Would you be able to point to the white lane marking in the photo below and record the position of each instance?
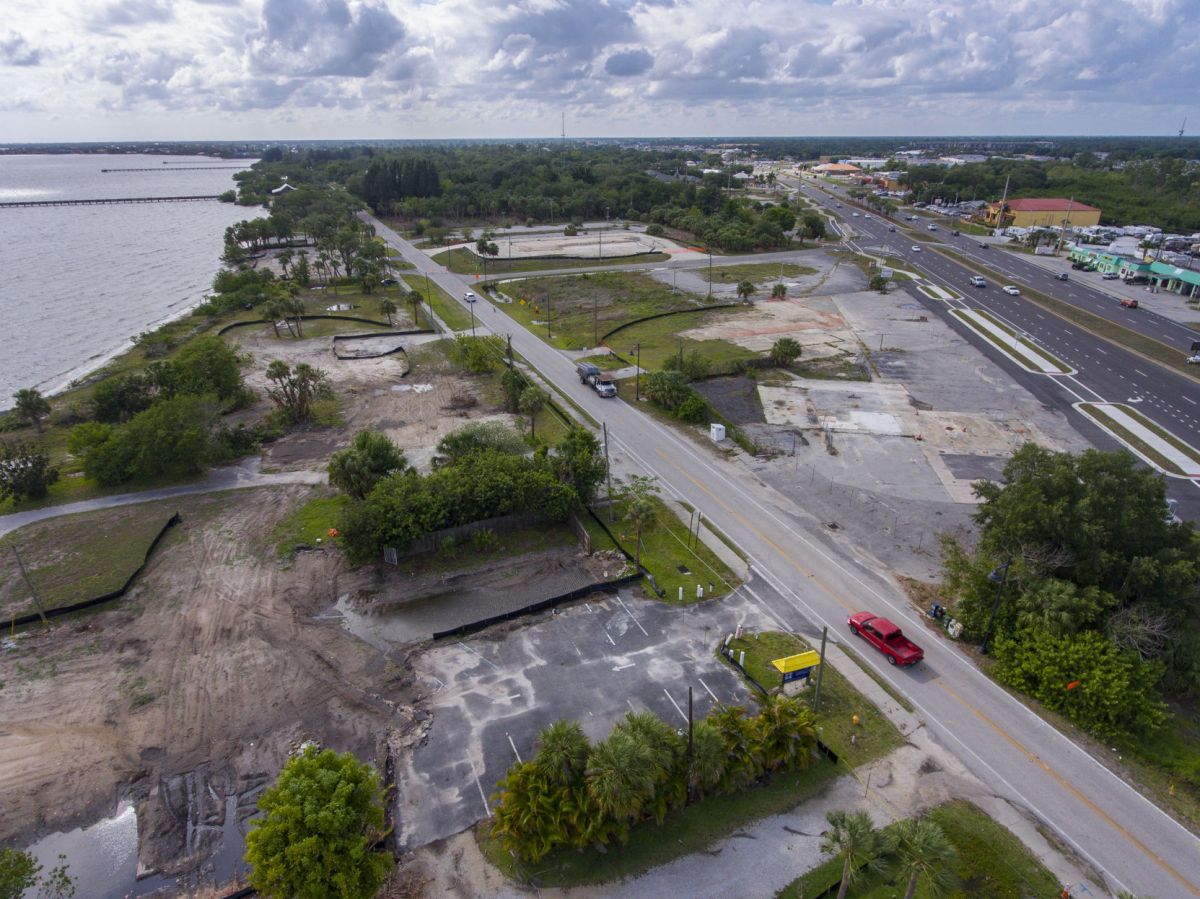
(674, 703)
(479, 784)
(477, 655)
(624, 666)
(609, 636)
(709, 691)
(514, 747)
(1190, 400)
(1140, 372)
(630, 614)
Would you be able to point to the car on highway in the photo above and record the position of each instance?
(1062, 276)
(886, 637)
(916, 249)
(891, 227)
(855, 214)
(1129, 304)
(977, 281)
(1109, 276)
(469, 297)
(1193, 360)
(1010, 290)
(982, 245)
(931, 227)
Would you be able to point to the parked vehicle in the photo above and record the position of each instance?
(955, 232)
(977, 281)
(886, 637)
(1010, 290)
(1136, 279)
(469, 297)
(1109, 276)
(891, 227)
(931, 227)
(1129, 304)
(1061, 276)
(916, 249)
(982, 245)
(1078, 266)
(599, 381)
(1193, 360)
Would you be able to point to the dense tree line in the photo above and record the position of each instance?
(478, 476)
(1163, 192)
(387, 180)
(1098, 617)
(573, 793)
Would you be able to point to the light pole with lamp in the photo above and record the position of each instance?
(999, 577)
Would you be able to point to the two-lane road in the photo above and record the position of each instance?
(1133, 844)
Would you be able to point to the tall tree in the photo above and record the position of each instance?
(31, 406)
(322, 819)
(924, 855)
(296, 389)
(641, 515)
(853, 837)
(387, 308)
(532, 401)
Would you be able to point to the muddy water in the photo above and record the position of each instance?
(103, 858)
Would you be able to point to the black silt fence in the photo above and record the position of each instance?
(464, 629)
(107, 597)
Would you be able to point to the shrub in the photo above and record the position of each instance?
(25, 471)
(692, 410)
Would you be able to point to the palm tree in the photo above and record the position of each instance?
(31, 406)
(786, 733)
(779, 291)
(387, 308)
(664, 750)
(620, 776)
(562, 753)
(641, 516)
(706, 766)
(530, 403)
(852, 836)
(414, 297)
(745, 290)
(743, 760)
(925, 854)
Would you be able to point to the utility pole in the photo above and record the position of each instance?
(1062, 235)
(601, 234)
(37, 600)
(710, 272)
(820, 671)
(510, 352)
(1003, 204)
(472, 305)
(637, 375)
(608, 471)
(595, 330)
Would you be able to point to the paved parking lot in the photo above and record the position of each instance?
(592, 662)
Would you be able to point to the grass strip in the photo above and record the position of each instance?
(1096, 325)
(463, 262)
(870, 672)
(990, 863)
(683, 832)
(444, 306)
(308, 526)
(1037, 351)
(873, 737)
(1141, 447)
(755, 272)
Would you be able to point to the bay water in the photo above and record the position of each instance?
(78, 282)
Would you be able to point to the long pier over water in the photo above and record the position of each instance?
(107, 201)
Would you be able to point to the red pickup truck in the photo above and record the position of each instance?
(887, 638)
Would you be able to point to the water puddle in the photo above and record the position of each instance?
(103, 858)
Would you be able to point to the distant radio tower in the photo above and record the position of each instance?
(1184, 125)
(564, 128)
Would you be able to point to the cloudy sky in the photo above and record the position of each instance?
(254, 69)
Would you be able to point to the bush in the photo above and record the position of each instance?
(478, 355)
(667, 388)
(25, 471)
(478, 437)
(693, 410)
(369, 459)
(655, 230)
(119, 399)
(172, 437)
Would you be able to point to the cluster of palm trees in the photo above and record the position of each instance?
(572, 793)
(916, 848)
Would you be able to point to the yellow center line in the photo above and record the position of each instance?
(762, 536)
(1072, 789)
(1058, 778)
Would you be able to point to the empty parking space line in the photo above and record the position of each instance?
(622, 667)
(674, 703)
(478, 656)
(609, 636)
(514, 747)
(708, 690)
(1190, 400)
(630, 614)
(1140, 372)
(478, 783)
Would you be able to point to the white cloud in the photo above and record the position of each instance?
(250, 68)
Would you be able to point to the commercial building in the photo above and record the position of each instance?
(836, 168)
(1041, 212)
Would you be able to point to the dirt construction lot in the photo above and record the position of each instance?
(213, 661)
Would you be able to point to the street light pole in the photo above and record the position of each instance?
(999, 577)
(710, 272)
(637, 375)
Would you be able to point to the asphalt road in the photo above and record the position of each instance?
(1105, 372)
(1125, 837)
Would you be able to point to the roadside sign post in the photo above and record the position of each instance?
(820, 671)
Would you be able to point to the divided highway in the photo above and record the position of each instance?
(1105, 372)
(1129, 841)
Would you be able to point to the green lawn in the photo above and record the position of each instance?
(581, 308)
(873, 736)
(309, 525)
(464, 262)
(659, 340)
(755, 272)
(686, 830)
(991, 864)
(665, 551)
(445, 306)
